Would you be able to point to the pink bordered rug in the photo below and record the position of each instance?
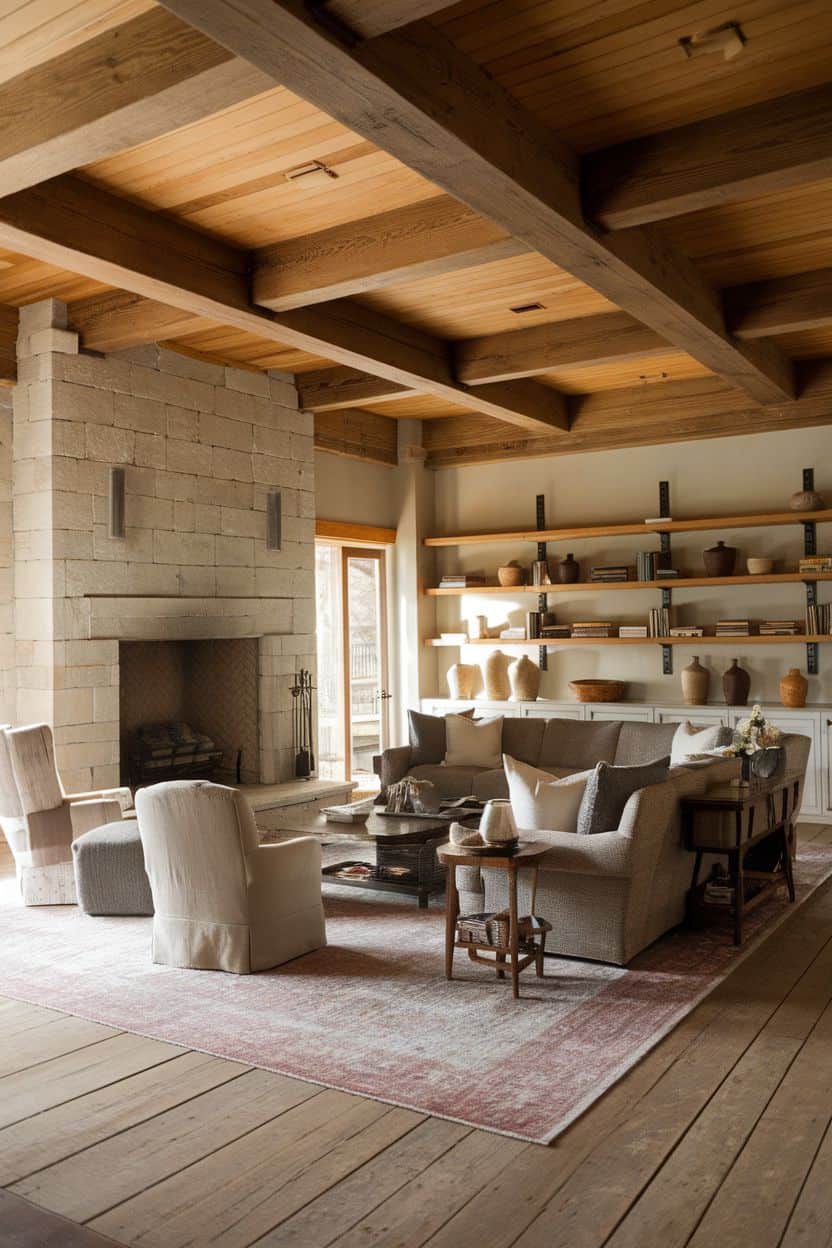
(373, 1014)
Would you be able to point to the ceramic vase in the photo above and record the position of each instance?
(793, 688)
(805, 500)
(462, 679)
(524, 679)
(569, 570)
(511, 575)
(735, 685)
(497, 687)
(695, 681)
(497, 825)
(478, 627)
(719, 560)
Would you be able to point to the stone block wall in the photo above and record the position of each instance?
(201, 445)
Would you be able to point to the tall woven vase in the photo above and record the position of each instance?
(497, 686)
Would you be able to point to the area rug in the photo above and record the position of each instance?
(373, 1014)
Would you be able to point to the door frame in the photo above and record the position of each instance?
(378, 553)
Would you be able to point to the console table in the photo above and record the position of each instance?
(731, 820)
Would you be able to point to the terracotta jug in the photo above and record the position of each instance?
(735, 684)
(461, 680)
(695, 681)
(793, 688)
(569, 570)
(496, 668)
(524, 678)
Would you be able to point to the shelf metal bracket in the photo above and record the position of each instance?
(810, 547)
(665, 562)
(542, 602)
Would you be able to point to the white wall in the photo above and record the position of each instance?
(717, 476)
(355, 491)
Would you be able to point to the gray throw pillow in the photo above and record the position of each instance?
(608, 790)
(427, 736)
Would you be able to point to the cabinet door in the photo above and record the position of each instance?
(619, 710)
(807, 726)
(826, 724)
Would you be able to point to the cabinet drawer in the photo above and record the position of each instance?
(618, 710)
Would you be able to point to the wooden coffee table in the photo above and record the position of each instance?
(527, 854)
(406, 859)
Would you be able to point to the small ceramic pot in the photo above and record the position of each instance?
(511, 575)
(793, 688)
(497, 825)
(760, 567)
(805, 500)
(719, 560)
(569, 570)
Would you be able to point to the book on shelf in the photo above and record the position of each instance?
(687, 630)
(818, 618)
(658, 622)
(780, 628)
(592, 628)
(815, 563)
(612, 572)
(461, 580)
(632, 630)
(515, 633)
(733, 628)
(645, 565)
(555, 631)
(667, 574)
(658, 519)
(454, 639)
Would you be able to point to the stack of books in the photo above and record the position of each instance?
(658, 622)
(592, 628)
(556, 631)
(514, 633)
(645, 566)
(818, 619)
(816, 563)
(611, 572)
(667, 574)
(780, 628)
(461, 580)
(733, 628)
(687, 630)
(632, 630)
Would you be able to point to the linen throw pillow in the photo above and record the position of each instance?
(473, 742)
(692, 743)
(427, 736)
(608, 790)
(539, 802)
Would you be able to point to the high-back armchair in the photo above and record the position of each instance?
(42, 820)
(221, 900)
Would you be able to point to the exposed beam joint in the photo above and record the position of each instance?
(8, 345)
(783, 305)
(421, 240)
(750, 152)
(366, 18)
(76, 226)
(114, 321)
(416, 95)
(327, 389)
(124, 87)
(358, 435)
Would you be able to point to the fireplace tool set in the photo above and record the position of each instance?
(301, 692)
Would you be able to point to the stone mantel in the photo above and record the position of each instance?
(138, 618)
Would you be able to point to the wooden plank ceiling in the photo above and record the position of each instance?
(540, 225)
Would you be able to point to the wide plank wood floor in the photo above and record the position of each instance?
(721, 1135)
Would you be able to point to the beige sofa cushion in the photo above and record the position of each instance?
(540, 803)
(642, 743)
(576, 744)
(473, 743)
(522, 738)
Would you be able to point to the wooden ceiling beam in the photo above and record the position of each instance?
(422, 240)
(327, 389)
(367, 18)
(600, 339)
(115, 320)
(130, 84)
(417, 96)
(642, 416)
(752, 151)
(783, 305)
(8, 345)
(358, 435)
(76, 226)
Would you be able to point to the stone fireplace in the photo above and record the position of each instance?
(193, 585)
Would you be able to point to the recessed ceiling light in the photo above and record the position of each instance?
(527, 307)
(311, 176)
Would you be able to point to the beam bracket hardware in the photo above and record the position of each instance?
(542, 602)
(810, 547)
(664, 562)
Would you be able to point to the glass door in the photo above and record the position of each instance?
(353, 694)
(366, 693)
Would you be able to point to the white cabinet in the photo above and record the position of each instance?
(826, 733)
(553, 710)
(705, 715)
(808, 725)
(628, 711)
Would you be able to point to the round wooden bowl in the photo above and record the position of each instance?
(511, 575)
(598, 690)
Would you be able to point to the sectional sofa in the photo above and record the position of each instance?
(610, 895)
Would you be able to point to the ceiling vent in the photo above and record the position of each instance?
(727, 39)
(311, 177)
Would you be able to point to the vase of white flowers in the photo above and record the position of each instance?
(757, 744)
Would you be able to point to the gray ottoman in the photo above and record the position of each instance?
(109, 870)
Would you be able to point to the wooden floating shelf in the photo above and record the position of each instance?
(698, 582)
(801, 639)
(639, 528)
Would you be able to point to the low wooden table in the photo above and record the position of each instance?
(406, 859)
(731, 820)
(527, 854)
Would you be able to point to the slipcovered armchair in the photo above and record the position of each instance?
(40, 821)
(222, 901)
